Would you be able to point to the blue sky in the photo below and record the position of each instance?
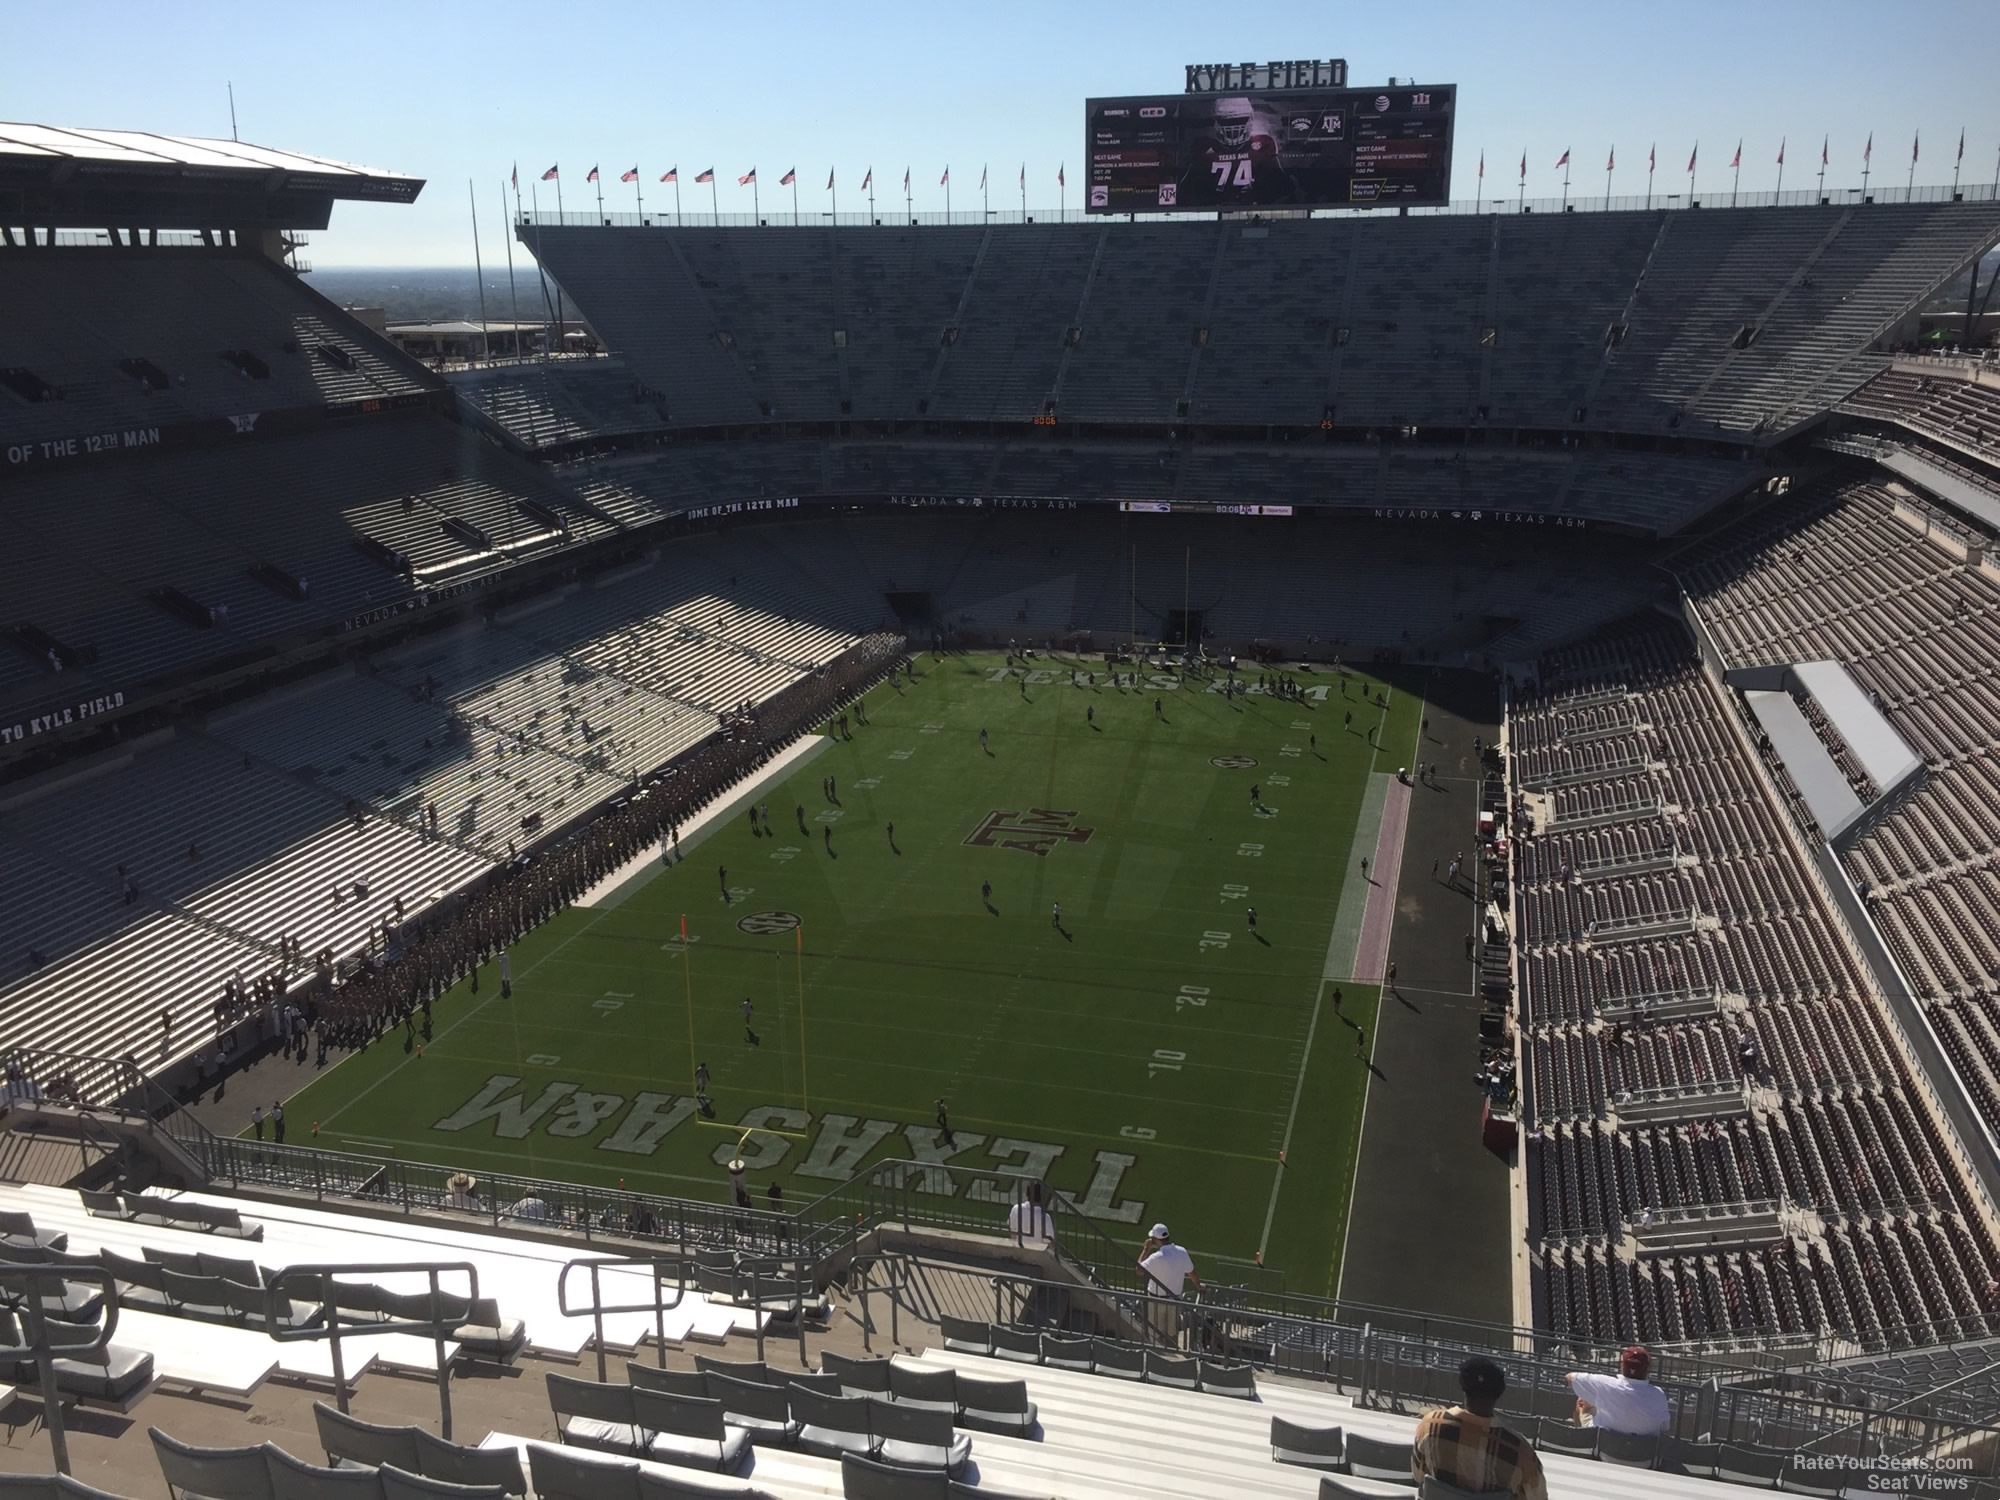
(449, 92)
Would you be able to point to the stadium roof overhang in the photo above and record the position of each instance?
(57, 177)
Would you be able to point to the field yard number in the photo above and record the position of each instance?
(1165, 1060)
(1289, 752)
(1301, 724)
(1236, 893)
(678, 945)
(831, 815)
(1249, 851)
(901, 754)
(1138, 1132)
(541, 1059)
(790, 851)
(1215, 940)
(742, 892)
(1191, 994)
(1278, 780)
(868, 783)
(608, 1004)
(932, 729)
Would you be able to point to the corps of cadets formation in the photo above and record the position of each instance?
(419, 960)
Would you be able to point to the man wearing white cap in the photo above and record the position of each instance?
(1168, 1269)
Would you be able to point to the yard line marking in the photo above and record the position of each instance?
(1298, 1092)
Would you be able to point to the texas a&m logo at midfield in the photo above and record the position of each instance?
(1037, 831)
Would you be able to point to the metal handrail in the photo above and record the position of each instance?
(1909, 1402)
(322, 1273)
(888, 215)
(43, 1350)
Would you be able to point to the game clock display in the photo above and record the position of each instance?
(1322, 148)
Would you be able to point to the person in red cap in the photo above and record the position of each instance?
(1625, 1402)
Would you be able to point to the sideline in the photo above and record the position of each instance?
(643, 868)
(1381, 1011)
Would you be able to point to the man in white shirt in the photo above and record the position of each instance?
(1625, 1402)
(1168, 1270)
(1028, 1221)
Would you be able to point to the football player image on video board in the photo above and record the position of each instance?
(1235, 156)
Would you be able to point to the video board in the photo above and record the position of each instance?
(1310, 148)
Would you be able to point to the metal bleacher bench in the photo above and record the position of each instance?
(171, 1213)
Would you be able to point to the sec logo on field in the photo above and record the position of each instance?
(1233, 762)
(768, 923)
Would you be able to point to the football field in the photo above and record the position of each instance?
(1150, 1053)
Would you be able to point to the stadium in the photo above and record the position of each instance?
(685, 905)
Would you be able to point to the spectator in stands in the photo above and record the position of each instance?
(1168, 1270)
(1625, 1402)
(1028, 1221)
(461, 1191)
(534, 1210)
(1464, 1446)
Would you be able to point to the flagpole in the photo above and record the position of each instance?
(909, 198)
(556, 332)
(1024, 191)
(1479, 185)
(1565, 182)
(677, 197)
(1734, 182)
(535, 203)
(756, 210)
(1694, 159)
(600, 194)
(1867, 164)
(1781, 171)
(795, 197)
(1652, 165)
(1521, 200)
(871, 195)
(639, 192)
(1610, 162)
(714, 207)
(1956, 165)
(513, 296)
(1910, 185)
(836, 195)
(947, 195)
(479, 271)
(1820, 192)
(985, 198)
(1062, 195)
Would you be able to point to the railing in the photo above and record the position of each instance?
(319, 1278)
(884, 212)
(1399, 1374)
(32, 1282)
(1570, 775)
(1622, 812)
(746, 1282)
(1643, 924)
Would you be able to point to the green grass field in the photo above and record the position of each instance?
(1149, 1056)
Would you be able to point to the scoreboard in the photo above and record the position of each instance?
(1311, 148)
